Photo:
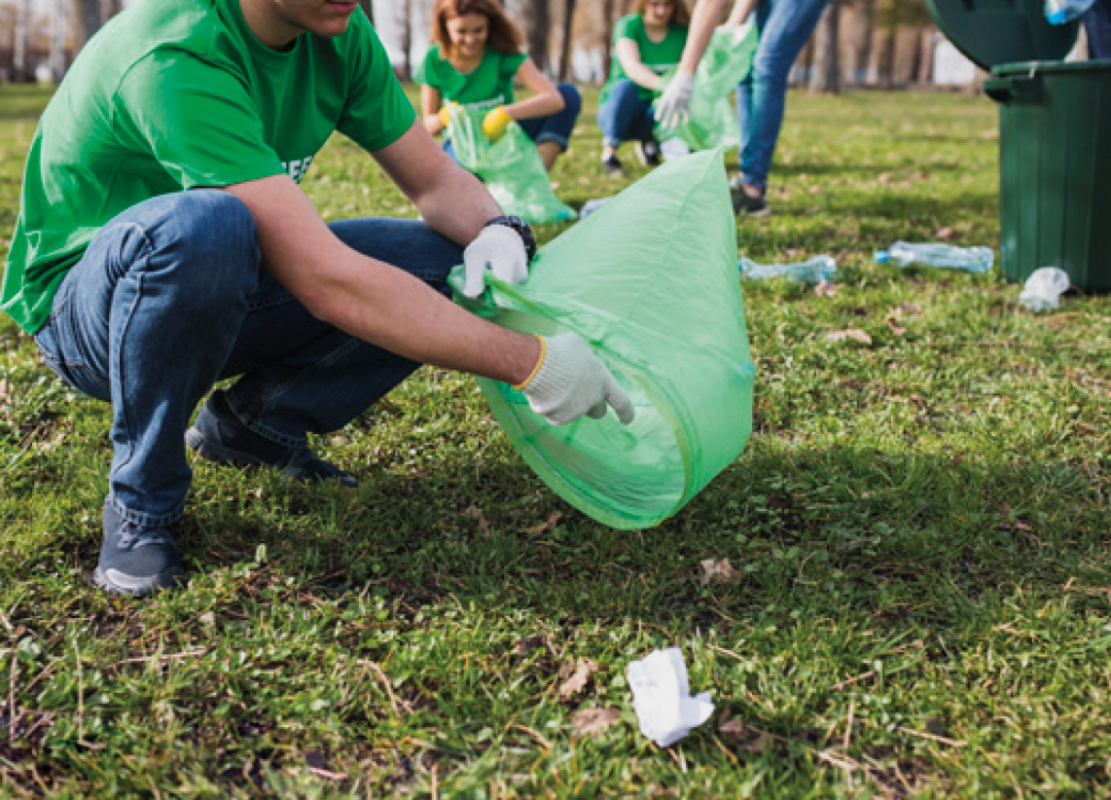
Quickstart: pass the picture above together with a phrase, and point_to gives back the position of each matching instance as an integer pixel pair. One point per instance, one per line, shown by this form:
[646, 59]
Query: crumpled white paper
[662, 699]
[1043, 289]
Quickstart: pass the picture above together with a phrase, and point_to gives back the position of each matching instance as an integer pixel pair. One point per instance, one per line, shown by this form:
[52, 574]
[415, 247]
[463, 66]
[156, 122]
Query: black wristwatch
[521, 228]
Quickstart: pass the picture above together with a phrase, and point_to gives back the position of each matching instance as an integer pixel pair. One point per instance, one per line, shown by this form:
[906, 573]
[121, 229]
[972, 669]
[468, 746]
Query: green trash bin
[1054, 131]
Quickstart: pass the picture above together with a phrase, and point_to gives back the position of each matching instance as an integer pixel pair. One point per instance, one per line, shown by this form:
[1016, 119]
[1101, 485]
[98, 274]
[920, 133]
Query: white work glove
[674, 104]
[498, 249]
[569, 381]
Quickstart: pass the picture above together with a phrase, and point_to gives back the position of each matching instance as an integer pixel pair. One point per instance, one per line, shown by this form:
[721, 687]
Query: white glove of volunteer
[569, 381]
[503, 248]
[674, 105]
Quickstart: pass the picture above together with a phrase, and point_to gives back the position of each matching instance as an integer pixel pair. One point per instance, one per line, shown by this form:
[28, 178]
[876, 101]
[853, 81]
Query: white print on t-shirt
[494, 103]
[297, 168]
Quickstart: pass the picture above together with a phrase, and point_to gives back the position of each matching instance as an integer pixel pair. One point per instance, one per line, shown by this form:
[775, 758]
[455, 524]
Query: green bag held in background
[712, 119]
[511, 167]
[650, 281]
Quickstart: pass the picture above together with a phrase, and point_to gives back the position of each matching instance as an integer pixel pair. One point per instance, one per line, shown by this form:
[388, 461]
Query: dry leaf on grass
[544, 527]
[896, 328]
[483, 524]
[737, 734]
[592, 721]
[577, 682]
[824, 289]
[717, 571]
[911, 308]
[855, 334]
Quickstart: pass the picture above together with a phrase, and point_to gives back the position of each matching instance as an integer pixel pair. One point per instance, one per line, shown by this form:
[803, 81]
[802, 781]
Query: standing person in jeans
[163, 244]
[1097, 24]
[785, 26]
[475, 56]
[648, 43]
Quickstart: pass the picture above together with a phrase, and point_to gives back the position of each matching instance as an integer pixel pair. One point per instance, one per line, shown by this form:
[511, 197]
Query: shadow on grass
[811, 532]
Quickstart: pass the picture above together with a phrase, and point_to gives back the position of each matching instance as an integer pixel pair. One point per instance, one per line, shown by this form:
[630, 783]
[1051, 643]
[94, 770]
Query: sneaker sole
[115, 582]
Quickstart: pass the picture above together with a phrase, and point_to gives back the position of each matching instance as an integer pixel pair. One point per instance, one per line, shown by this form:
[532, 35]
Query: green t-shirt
[657, 56]
[177, 94]
[488, 86]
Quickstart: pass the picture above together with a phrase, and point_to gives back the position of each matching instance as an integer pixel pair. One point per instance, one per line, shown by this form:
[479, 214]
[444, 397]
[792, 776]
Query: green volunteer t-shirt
[488, 86]
[657, 56]
[177, 94]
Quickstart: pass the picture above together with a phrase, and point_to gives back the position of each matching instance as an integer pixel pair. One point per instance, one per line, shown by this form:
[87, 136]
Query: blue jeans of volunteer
[625, 116]
[785, 26]
[171, 297]
[555, 127]
[1097, 24]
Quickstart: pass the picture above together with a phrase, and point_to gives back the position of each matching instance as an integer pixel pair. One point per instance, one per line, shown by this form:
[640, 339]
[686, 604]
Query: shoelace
[134, 537]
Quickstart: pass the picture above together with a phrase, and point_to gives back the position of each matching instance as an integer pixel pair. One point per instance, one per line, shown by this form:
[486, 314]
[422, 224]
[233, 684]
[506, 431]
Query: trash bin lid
[993, 32]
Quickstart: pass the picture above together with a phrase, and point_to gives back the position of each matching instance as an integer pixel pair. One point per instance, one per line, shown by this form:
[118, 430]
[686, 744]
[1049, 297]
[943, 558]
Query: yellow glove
[445, 113]
[495, 122]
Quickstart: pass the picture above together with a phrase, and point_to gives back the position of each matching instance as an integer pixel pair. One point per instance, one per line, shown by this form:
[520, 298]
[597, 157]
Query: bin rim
[1041, 67]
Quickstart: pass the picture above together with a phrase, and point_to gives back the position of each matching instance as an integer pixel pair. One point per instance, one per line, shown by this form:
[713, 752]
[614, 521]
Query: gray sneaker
[135, 560]
[744, 203]
[219, 436]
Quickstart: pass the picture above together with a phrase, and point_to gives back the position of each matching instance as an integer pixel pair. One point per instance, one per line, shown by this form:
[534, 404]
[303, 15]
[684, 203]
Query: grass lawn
[919, 531]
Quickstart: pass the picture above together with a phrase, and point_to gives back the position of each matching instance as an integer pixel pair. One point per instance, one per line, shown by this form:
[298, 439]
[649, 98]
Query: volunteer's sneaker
[136, 560]
[648, 153]
[745, 203]
[613, 165]
[219, 436]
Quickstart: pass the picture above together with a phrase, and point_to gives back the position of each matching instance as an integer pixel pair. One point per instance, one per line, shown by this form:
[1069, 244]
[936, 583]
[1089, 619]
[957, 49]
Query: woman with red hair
[475, 56]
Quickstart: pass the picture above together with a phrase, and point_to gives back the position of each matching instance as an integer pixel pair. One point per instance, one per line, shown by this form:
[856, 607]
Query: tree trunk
[21, 65]
[608, 7]
[867, 12]
[87, 15]
[538, 24]
[368, 9]
[825, 78]
[403, 14]
[926, 64]
[58, 41]
[567, 49]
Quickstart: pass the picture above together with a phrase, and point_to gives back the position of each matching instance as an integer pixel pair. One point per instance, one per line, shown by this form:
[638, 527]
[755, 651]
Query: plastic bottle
[1043, 289]
[970, 259]
[819, 269]
[590, 206]
[1058, 12]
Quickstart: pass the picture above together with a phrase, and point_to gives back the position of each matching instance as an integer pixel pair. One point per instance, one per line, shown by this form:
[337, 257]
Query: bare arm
[703, 21]
[372, 300]
[452, 201]
[742, 10]
[430, 101]
[545, 100]
[629, 53]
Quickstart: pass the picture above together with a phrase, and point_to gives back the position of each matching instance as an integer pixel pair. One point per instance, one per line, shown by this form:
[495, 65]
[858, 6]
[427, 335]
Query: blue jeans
[1097, 24]
[785, 26]
[625, 116]
[171, 297]
[555, 127]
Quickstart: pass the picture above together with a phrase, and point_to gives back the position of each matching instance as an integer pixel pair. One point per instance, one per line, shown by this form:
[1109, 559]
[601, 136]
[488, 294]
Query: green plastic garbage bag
[650, 280]
[511, 167]
[712, 118]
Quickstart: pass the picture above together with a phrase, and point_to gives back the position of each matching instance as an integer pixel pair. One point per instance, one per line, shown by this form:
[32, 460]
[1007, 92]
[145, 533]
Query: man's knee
[208, 234]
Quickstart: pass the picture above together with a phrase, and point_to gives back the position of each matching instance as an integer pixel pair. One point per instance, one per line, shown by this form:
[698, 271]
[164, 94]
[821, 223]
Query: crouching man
[163, 245]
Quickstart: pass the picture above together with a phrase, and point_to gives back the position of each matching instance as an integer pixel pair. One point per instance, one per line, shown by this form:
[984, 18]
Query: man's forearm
[457, 206]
